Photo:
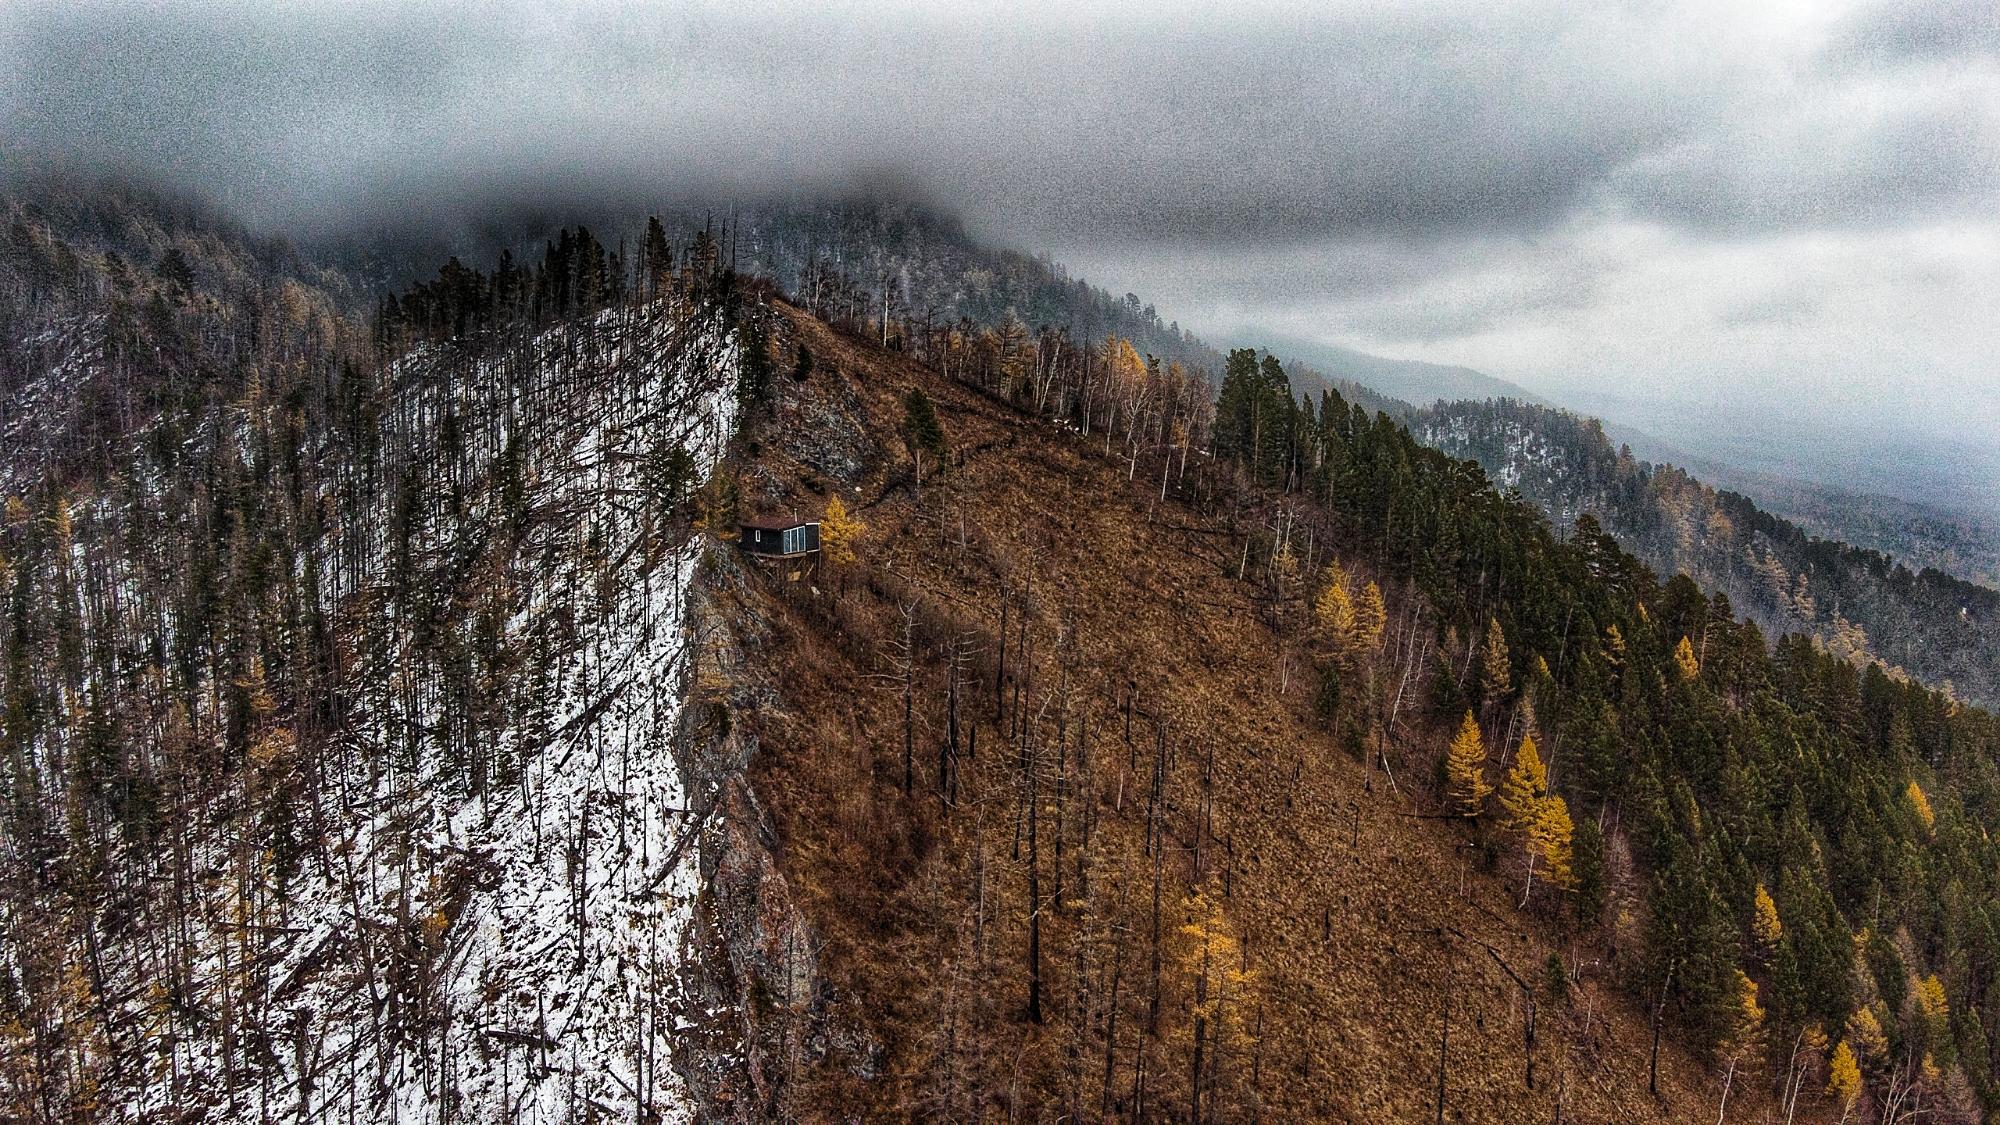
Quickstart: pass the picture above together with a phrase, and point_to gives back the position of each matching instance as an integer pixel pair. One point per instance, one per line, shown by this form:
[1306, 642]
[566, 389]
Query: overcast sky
[1771, 209]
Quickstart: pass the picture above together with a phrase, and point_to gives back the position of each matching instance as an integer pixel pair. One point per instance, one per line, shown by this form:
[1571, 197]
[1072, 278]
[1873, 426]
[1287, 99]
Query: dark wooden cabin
[779, 539]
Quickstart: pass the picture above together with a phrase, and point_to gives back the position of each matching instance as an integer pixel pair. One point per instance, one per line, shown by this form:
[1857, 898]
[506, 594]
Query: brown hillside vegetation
[1044, 774]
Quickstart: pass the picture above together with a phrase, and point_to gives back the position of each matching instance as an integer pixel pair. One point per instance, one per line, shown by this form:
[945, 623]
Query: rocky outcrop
[750, 974]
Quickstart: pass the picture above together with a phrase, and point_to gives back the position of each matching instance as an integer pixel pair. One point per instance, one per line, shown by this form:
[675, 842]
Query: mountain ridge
[1134, 750]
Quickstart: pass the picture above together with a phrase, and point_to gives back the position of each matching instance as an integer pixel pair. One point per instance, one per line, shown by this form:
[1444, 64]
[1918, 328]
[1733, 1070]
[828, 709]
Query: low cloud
[1684, 196]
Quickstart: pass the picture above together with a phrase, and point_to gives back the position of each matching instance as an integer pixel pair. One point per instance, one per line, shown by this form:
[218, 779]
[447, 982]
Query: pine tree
[1496, 675]
[921, 425]
[1236, 410]
[1466, 789]
[174, 269]
[659, 258]
[668, 474]
[838, 532]
[1587, 842]
[754, 367]
[1523, 787]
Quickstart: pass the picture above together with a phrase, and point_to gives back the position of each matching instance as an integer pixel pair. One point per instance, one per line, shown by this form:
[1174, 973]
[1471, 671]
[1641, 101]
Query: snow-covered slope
[490, 870]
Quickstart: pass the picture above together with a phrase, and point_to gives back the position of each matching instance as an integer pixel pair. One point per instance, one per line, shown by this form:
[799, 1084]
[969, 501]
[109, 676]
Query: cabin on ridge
[779, 538]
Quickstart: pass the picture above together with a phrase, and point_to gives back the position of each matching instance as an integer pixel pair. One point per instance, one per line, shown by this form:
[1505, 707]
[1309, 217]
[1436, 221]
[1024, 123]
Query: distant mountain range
[1961, 539]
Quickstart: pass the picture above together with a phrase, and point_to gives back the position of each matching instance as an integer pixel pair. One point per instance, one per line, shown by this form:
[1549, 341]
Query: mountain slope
[1769, 853]
[1140, 694]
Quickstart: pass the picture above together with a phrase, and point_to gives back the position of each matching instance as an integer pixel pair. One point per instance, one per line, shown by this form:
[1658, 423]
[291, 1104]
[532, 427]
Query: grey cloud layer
[1427, 121]
[1689, 195]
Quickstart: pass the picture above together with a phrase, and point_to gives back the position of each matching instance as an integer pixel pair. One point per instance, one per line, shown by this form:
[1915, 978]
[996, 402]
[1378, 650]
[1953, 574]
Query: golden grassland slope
[1325, 944]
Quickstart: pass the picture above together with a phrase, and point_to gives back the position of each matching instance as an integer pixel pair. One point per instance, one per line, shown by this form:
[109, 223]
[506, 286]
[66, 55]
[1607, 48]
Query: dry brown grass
[1355, 949]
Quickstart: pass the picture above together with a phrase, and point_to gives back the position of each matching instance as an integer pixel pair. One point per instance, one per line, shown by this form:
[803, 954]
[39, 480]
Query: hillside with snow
[459, 890]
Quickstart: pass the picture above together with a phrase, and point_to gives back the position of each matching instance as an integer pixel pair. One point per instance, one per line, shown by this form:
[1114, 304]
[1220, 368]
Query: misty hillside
[1955, 540]
[843, 260]
[1922, 535]
[1411, 381]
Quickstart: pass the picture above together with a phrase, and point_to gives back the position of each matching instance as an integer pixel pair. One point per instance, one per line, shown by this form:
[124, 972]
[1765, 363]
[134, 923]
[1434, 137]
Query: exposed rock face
[751, 970]
[818, 425]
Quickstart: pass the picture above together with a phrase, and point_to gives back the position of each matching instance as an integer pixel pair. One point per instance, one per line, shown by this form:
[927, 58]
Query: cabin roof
[771, 524]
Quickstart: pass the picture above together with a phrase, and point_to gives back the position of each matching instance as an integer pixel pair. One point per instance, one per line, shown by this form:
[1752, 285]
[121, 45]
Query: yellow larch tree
[1522, 788]
[1370, 617]
[1124, 367]
[1285, 572]
[1212, 958]
[1333, 611]
[1466, 788]
[1333, 615]
[1746, 1018]
[838, 531]
[1745, 1032]
[1922, 806]
[1864, 1031]
[1684, 659]
[1549, 837]
[1843, 1078]
[1764, 924]
[65, 527]
[1531, 725]
[1934, 1012]
[1614, 645]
